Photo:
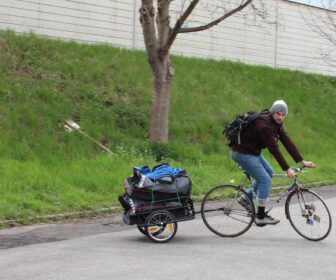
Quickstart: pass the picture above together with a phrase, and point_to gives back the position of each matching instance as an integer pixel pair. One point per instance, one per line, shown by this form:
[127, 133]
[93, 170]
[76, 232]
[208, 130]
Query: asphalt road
[121, 252]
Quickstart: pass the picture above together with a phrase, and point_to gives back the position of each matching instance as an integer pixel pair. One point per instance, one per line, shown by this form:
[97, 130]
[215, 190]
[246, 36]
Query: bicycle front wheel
[308, 214]
[222, 213]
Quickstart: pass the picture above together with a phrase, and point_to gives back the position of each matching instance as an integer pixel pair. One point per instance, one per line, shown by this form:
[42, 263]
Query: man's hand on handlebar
[291, 173]
[308, 164]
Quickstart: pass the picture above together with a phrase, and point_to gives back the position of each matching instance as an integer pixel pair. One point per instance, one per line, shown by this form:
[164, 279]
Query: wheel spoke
[222, 213]
[239, 220]
[308, 214]
[165, 226]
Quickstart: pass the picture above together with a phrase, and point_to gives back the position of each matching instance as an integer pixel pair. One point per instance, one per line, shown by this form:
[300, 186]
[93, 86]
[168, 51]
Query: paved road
[272, 252]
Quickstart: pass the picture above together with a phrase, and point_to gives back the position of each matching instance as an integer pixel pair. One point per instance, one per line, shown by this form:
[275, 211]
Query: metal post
[276, 33]
[134, 23]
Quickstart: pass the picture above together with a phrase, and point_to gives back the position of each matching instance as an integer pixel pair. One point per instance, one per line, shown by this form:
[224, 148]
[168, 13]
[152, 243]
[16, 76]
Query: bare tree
[322, 21]
[159, 37]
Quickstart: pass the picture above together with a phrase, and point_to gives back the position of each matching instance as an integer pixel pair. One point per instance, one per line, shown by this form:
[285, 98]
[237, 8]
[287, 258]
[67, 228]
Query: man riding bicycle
[264, 133]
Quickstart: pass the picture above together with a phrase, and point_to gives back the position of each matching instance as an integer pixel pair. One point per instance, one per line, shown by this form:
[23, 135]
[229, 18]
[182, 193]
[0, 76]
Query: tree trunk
[162, 77]
[155, 37]
[159, 37]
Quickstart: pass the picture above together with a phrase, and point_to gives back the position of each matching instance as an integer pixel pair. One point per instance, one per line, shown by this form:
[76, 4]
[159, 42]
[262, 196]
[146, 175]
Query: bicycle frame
[294, 186]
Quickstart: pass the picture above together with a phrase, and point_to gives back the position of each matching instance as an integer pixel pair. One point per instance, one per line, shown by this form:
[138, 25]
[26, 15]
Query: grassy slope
[42, 82]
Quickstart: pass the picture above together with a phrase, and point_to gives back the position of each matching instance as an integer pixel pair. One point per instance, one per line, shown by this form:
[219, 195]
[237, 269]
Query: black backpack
[233, 131]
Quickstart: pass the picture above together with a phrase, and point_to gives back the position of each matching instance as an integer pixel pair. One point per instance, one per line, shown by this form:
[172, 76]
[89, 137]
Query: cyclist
[264, 133]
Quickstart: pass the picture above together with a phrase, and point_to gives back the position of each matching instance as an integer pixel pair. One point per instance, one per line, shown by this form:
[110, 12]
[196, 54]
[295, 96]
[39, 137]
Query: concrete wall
[288, 43]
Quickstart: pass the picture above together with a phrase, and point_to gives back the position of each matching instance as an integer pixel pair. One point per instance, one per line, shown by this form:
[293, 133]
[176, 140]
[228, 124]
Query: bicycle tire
[223, 215]
[161, 226]
[308, 214]
[144, 232]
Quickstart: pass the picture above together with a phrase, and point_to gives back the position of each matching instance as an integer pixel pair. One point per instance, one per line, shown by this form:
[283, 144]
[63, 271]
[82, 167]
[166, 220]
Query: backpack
[234, 130]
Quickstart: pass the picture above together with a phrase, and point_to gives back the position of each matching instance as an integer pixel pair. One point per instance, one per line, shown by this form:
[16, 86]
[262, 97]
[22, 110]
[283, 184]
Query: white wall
[290, 43]
[83, 20]
[298, 46]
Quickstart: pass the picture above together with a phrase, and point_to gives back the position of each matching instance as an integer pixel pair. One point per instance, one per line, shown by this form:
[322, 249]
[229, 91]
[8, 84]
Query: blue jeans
[260, 170]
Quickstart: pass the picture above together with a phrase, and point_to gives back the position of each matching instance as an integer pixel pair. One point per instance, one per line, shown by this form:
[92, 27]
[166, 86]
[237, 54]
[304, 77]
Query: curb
[58, 217]
[110, 210]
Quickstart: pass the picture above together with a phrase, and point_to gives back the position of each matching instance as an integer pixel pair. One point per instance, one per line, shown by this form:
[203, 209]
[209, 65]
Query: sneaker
[268, 220]
[245, 203]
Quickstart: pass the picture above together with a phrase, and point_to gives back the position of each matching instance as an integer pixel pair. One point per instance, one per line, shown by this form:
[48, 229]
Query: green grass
[45, 170]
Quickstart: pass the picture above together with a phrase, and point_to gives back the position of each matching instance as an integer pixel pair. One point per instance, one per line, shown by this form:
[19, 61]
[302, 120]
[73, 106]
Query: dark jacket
[265, 133]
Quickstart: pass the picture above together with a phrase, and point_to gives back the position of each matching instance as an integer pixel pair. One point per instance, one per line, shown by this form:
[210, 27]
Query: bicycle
[306, 211]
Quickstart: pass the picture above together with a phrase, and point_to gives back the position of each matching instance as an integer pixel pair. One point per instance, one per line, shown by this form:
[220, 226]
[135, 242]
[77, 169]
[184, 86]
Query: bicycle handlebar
[296, 170]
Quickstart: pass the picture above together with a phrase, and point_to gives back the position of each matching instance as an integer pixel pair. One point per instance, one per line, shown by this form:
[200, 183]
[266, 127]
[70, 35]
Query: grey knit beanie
[279, 106]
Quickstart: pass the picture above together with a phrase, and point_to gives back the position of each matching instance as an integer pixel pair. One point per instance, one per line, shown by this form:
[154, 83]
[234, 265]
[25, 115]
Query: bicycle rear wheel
[222, 213]
[308, 214]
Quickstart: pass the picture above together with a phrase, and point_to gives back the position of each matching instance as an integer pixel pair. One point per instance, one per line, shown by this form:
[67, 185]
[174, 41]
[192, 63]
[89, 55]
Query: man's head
[279, 111]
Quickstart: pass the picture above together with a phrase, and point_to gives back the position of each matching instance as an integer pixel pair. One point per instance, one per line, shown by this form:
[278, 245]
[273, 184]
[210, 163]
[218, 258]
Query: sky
[317, 3]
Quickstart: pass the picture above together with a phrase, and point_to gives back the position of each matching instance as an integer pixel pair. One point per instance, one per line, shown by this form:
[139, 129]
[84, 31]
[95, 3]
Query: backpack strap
[263, 114]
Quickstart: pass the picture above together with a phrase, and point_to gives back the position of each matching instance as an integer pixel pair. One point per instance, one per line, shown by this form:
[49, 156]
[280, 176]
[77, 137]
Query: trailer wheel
[143, 230]
[161, 226]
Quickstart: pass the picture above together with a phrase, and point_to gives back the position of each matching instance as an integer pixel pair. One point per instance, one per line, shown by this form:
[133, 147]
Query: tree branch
[178, 25]
[147, 15]
[324, 27]
[163, 22]
[215, 22]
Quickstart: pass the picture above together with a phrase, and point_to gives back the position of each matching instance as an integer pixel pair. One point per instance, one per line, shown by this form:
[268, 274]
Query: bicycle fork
[307, 210]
